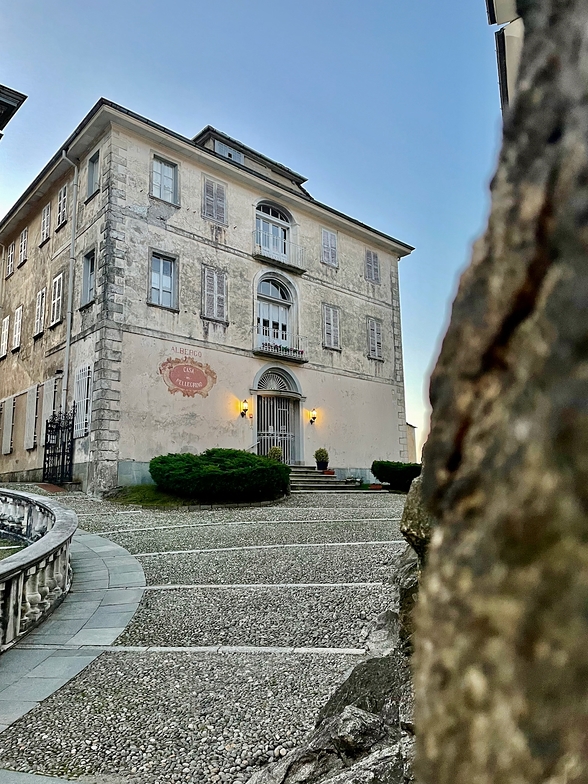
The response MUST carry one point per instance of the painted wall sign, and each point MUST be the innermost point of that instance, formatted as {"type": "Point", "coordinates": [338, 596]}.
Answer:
{"type": "Point", "coordinates": [187, 376]}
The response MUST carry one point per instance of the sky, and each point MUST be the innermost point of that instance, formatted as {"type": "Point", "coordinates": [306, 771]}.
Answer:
{"type": "Point", "coordinates": [390, 109]}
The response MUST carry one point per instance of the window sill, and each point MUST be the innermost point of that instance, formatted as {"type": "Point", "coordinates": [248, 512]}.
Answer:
{"type": "Point", "coordinates": [214, 320]}
{"type": "Point", "coordinates": [330, 266]}
{"type": "Point", "coordinates": [55, 324]}
{"type": "Point", "coordinates": [15, 349]}
{"type": "Point", "coordinates": [164, 201]}
{"type": "Point", "coordinates": [21, 263]}
{"type": "Point", "coordinates": [92, 196]}
{"type": "Point", "coordinates": [10, 274]}
{"type": "Point", "coordinates": [86, 305]}
{"type": "Point", "coordinates": [333, 348]}
{"type": "Point", "coordinates": [376, 359]}
{"type": "Point", "coordinates": [3, 356]}
{"type": "Point", "coordinates": [61, 225]}
{"type": "Point", "coordinates": [163, 307]}
{"type": "Point", "coordinates": [45, 241]}
{"type": "Point", "coordinates": [216, 222]}
{"type": "Point", "coordinates": [38, 335]}
{"type": "Point", "coordinates": [374, 282]}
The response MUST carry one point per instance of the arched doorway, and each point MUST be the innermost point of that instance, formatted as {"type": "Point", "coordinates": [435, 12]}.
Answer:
{"type": "Point", "coordinates": [278, 414]}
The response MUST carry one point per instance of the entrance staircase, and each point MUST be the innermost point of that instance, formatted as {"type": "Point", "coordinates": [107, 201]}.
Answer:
{"type": "Point", "coordinates": [304, 479]}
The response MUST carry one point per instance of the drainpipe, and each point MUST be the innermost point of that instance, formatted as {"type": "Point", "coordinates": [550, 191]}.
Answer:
{"type": "Point", "coordinates": [72, 260]}
{"type": "Point", "coordinates": [2, 275]}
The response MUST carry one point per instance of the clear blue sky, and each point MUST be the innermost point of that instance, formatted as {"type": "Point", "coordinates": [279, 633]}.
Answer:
{"type": "Point", "coordinates": [389, 107]}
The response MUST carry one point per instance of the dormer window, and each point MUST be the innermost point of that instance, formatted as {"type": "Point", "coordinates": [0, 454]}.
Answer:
{"type": "Point", "coordinates": [228, 152]}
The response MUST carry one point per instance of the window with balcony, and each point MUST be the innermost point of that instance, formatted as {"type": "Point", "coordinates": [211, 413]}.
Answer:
{"type": "Point", "coordinates": [273, 240]}
{"type": "Point", "coordinates": [276, 322]}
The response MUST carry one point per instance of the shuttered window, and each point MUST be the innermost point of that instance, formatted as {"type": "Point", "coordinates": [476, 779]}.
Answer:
{"type": "Point", "coordinates": [372, 266]}
{"type": "Point", "coordinates": [82, 393]}
{"type": "Point", "coordinates": [45, 222]}
{"type": "Point", "coordinates": [214, 298]}
{"type": "Point", "coordinates": [22, 246]}
{"type": "Point", "coordinates": [4, 336]}
{"type": "Point", "coordinates": [30, 435]}
{"type": "Point", "coordinates": [228, 152]}
{"type": "Point", "coordinates": [56, 299]}
{"type": "Point", "coordinates": [10, 260]}
{"type": "Point", "coordinates": [331, 331]}
{"type": "Point", "coordinates": [7, 424]}
{"type": "Point", "coordinates": [164, 184]}
{"type": "Point", "coordinates": [40, 312]}
{"type": "Point", "coordinates": [62, 206]}
{"type": "Point", "coordinates": [48, 404]}
{"type": "Point", "coordinates": [329, 255]}
{"type": "Point", "coordinates": [215, 201]}
{"type": "Point", "coordinates": [374, 338]}
{"type": "Point", "coordinates": [17, 328]}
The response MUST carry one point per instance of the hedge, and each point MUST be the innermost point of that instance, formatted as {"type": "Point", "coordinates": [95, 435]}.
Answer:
{"type": "Point", "coordinates": [397, 475]}
{"type": "Point", "coordinates": [221, 476]}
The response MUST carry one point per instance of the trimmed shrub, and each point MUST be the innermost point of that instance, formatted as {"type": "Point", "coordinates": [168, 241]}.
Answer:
{"type": "Point", "coordinates": [397, 475]}
{"type": "Point", "coordinates": [221, 476]}
{"type": "Point", "coordinates": [321, 455]}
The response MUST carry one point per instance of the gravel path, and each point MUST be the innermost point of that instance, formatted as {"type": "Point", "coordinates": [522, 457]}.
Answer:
{"type": "Point", "coordinates": [194, 718]}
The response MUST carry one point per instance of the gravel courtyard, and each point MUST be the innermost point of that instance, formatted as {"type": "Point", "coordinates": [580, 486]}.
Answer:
{"type": "Point", "coordinates": [290, 591]}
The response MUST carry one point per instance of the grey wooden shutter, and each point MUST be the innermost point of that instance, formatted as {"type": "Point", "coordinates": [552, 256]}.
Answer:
{"type": "Point", "coordinates": [335, 318]}
{"type": "Point", "coordinates": [7, 428]}
{"type": "Point", "coordinates": [378, 329]}
{"type": "Point", "coordinates": [369, 265]}
{"type": "Point", "coordinates": [29, 434]}
{"type": "Point", "coordinates": [209, 292]}
{"type": "Point", "coordinates": [221, 296]}
{"type": "Point", "coordinates": [326, 247]}
{"type": "Point", "coordinates": [82, 400]}
{"type": "Point", "coordinates": [209, 199]}
{"type": "Point", "coordinates": [220, 203]}
{"type": "Point", "coordinates": [372, 341]}
{"type": "Point", "coordinates": [48, 404]}
{"type": "Point", "coordinates": [376, 267]}
{"type": "Point", "coordinates": [328, 318]}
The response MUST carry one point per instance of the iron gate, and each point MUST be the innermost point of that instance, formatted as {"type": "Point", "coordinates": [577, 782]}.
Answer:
{"type": "Point", "coordinates": [276, 420]}
{"type": "Point", "coordinates": [59, 447]}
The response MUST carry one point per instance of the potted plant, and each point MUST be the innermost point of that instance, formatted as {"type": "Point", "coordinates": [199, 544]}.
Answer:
{"type": "Point", "coordinates": [322, 459]}
{"type": "Point", "coordinates": [275, 453]}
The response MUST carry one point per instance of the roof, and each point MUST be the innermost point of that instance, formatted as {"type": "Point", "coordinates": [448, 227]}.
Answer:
{"type": "Point", "coordinates": [90, 129]}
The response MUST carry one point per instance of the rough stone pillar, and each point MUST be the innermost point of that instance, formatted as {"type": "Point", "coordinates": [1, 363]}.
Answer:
{"type": "Point", "coordinates": [501, 656]}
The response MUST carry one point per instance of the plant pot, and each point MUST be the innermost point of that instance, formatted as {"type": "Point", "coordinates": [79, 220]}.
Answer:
{"type": "Point", "coordinates": [322, 466]}
{"type": "Point", "coordinates": [375, 487]}
{"type": "Point", "coordinates": [329, 473]}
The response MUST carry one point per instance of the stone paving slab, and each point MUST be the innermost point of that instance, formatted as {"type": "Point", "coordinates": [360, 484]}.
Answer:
{"type": "Point", "coordinates": [12, 777]}
{"type": "Point", "coordinates": [85, 621]}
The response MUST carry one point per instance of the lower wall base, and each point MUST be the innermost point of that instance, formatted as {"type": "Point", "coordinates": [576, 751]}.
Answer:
{"type": "Point", "coordinates": [32, 475]}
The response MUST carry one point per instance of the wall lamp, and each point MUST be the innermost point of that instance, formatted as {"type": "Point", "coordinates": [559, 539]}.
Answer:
{"type": "Point", "coordinates": [244, 408]}
{"type": "Point", "coordinates": [313, 416]}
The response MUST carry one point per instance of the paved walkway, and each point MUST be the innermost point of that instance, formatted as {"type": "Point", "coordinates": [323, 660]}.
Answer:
{"type": "Point", "coordinates": [249, 620]}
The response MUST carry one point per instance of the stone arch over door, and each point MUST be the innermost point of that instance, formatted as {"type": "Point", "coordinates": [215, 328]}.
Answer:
{"type": "Point", "coordinates": [278, 413]}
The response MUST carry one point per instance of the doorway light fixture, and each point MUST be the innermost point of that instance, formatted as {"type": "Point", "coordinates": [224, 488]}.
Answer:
{"type": "Point", "coordinates": [244, 408]}
{"type": "Point", "coordinates": [313, 416]}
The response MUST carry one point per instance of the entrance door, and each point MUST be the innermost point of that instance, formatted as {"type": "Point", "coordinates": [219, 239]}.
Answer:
{"type": "Point", "coordinates": [276, 425]}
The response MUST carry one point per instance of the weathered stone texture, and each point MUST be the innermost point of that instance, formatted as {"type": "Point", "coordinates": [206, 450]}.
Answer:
{"type": "Point", "coordinates": [502, 628]}
{"type": "Point", "coordinates": [416, 524]}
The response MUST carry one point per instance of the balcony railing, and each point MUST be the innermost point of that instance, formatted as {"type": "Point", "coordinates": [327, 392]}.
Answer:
{"type": "Point", "coordinates": [282, 252]}
{"type": "Point", "coordinates": [276, 343]}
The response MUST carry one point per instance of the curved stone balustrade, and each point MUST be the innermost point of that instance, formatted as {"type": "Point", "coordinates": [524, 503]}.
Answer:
{"type": "Point", "coordinates": [36, 579]}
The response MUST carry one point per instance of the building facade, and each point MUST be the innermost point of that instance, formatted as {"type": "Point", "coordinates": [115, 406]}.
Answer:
{"type": "Point", "coordinates": [187, 294]}
{"type": "Point", "coordinates": [509, 45]}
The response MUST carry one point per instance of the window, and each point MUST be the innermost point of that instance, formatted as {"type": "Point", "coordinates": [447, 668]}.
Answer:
{"type": "Point", "coordinates": [272, 227]}
{"type": "Point", "coordinates": [8, 426]}
{"type": "Point", "coordinates": [4, 336]}
{"type": "Point", "coordinates": [165, 181]}
{"type": "Point", "coordinates": [273, 313]}
{"type": "Point", "coordinates": [331, 333]}
{"type": "Point", "coordinates": [214, 299]}
{"type": "Point", "coordinates": [10, 260]}
{"type": "Point", "coordinates": [45, 222]}
{"type": "Point", "coordinates": [82, 399]}
{"type": "Point", "coordinates": [40, 312]}
{"type": "Point", "coordinates": [329, 255]}
{"type": "Point", "coordinates": [22, 246]}
{"type": "Point", "coordinates": [374, 338]}
{"type": "Point", "coordinates": [372, 266]}
{"type": "Point", "coordinates": [89, 277]}
{"type": "Point", "coordinates": [227, 152]}
{"type": "Point", "coordinates": [214, 205]}
{"type": "Point", "coordinates": [62, 206]}
{"type": "Point", "coordinates": [56, 298]}
{"type": "Point", "coordinates": [163, 281]}
{"type": "Point", "coordinates": [94, 174]}
{"type": "Point", "coordinates": [17, 328]}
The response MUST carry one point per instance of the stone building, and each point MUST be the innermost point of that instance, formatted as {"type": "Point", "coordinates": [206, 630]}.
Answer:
{"type": "Point", "coordinates": [190, 293]}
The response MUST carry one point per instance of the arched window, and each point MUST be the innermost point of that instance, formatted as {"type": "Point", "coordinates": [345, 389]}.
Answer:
{"type": "Point", "coordinates": [274, 316]}
{"type": "Point", "coordinates": [272, 231]}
